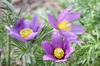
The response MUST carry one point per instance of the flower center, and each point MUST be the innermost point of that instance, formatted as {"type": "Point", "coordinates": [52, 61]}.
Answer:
{"type": "Point", "coordinates": [59, 53]}
{"type": "Point", "coordinates": [26, 32]}
{"type": "Point", "coordinates": [64, 25]}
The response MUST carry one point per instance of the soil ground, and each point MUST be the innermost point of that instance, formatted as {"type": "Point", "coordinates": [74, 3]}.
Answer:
{"type": "Point", "coordinates": [33, 5]}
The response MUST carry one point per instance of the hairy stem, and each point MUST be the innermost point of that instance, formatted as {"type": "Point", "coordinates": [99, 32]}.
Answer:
{"type": "Point", "coordinates": [0, 59]}
{"type": "Point", "coordinates": [8, 47]}
{"type": "Point", "coordinates": [60, 64]}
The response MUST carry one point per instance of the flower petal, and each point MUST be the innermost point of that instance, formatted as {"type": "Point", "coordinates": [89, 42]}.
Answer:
{"type": "Point", "coordinates": [57, 40]}
{"type": "Point", "coordinates": [32, 36]}
{"type": "Point", "coordinates": [17, 36]}
{"type": "Point", "coordinates": [71, 16]}
{"type": "Point", "coordinates": [68, 48]}
{"type": "Point", "coordinates": [76, 40]}
{"type": "Point", "coordinates": [49, 57]}
{"type": "Point", "coordinates": [11, 29]}
{"type": "Point", "coordinates": [68, 34]}
{"type": "Point", "coordinates": [62, 60]}
{"type": "Point", "coordinates": [63, 13]}
{"type": "Point", "coordinates": [52, 20]}
{"type": "Point", "coordinates": [19, 25]}
{"type": "Point", "coordinates": [0, 49]}
{"type": "Point", "coordinates": [78, 29]}
{"type": "Point", "coordinates": [67, 44]}
{"type": "Point", "coordinates": [68, 53]}
{"type": "Point", "coordinates": [27, 23]}
{"type": "Point", "coordinates": [47, 47]}
{"type": "Point", "coordinates": [34, 23]}
{"type": "Point", "coordinates": [40, 27]}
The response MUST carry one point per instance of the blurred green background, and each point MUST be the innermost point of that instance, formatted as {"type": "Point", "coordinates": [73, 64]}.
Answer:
{"type": "Point", "coordinates": [86, 54]}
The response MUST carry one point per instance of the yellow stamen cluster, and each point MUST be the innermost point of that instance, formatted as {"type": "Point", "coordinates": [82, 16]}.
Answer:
{"type": "Point", "coordinates": [59, 53]}
{"type": "Point", "coordinates": [64, 25]}
{"type": "Point", "coordinates": [26, 32]}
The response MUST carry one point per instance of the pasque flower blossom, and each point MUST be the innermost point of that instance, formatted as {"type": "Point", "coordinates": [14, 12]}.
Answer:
{"type": "Point", "coordinates": [0, 49]}
{"type": "Point", "coordinates": [64, 26]}
{"type": "Point", "coordinates": [25, 30]}
{"type": "Point", "coordinates": [58, 50]}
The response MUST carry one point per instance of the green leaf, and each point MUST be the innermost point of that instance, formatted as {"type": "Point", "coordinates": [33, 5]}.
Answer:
{"type": "Point", "coordinates": [9, 1]}
{"type": "Point", "coordinates": [23, 9]}
{"type": "Point", "coordinates": [9, 6]}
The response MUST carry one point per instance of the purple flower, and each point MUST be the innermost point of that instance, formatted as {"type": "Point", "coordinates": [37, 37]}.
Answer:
{"type": "Point", "coordinates": [25, 30]}
{"type": "Point", "coordinates": [59, 50]}
{"type": "Point", "coordinates": [0, 49]}
{"type": "Point", "coordinates": [64, 26]}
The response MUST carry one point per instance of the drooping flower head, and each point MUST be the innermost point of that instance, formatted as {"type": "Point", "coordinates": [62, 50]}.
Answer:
{"type": "Point", "coordinates": [58, 50]}
{"type": "Point", "coordinates": [25, 30]}
{"type": "Point", "coordinates": [63, 23]}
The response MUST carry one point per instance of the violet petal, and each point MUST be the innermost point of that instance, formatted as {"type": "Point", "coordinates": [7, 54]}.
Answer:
{"type": "Point", "coordinates": [52, 20]}
{"type": "Point", "coordinates": [34, 23]}
{"type": "Point", "coordinates": [57, 40]}
{"type": "Point", "coordinates": [27, 23]}
{"type": "Point", "coordinates": [0, 49]}
{"type": "Point", "coordinates": [40, 27]}
{"type": "Point", "coordinates": [19, 25]}
{"type": "Point", "coordinates": [77, 29]}
{"type": "Point", "coordinates": [11, 29]}
{"type": "Point", "coordinates": [63, 13]}
{"type": "Point", "coordinates": [68, 48]}
{"type": "Point", "coordinates": [47, 47]}
{"type": "Point", "coordinates": [17, 36]}
{"type": "Point", "coordinates": [62, 60]}
{"type": "Point", "coordinates": [32, 36]}
{"type": "Point", "coordinates": [68, 34]}
{"type": "Point", "coordinates": [72, 16]}
{"type": "Point", "coordinates": [49, 57]}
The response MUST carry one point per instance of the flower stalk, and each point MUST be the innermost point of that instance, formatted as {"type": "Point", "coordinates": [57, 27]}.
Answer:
{"type": "Point", "coordinates": [24, 60]}
{"type": "Point", "coordinates": [8, 47]}
{"type": "Point", "coordinates": [60, 64]}
{"type": "Point", "coordinates": [0, 59]}
{"type": "Point", "coordinates": [26, 44]}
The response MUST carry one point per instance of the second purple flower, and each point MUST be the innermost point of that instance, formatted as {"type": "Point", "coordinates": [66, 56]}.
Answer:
{"type": "Point", "coordinates": [64, 26]}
